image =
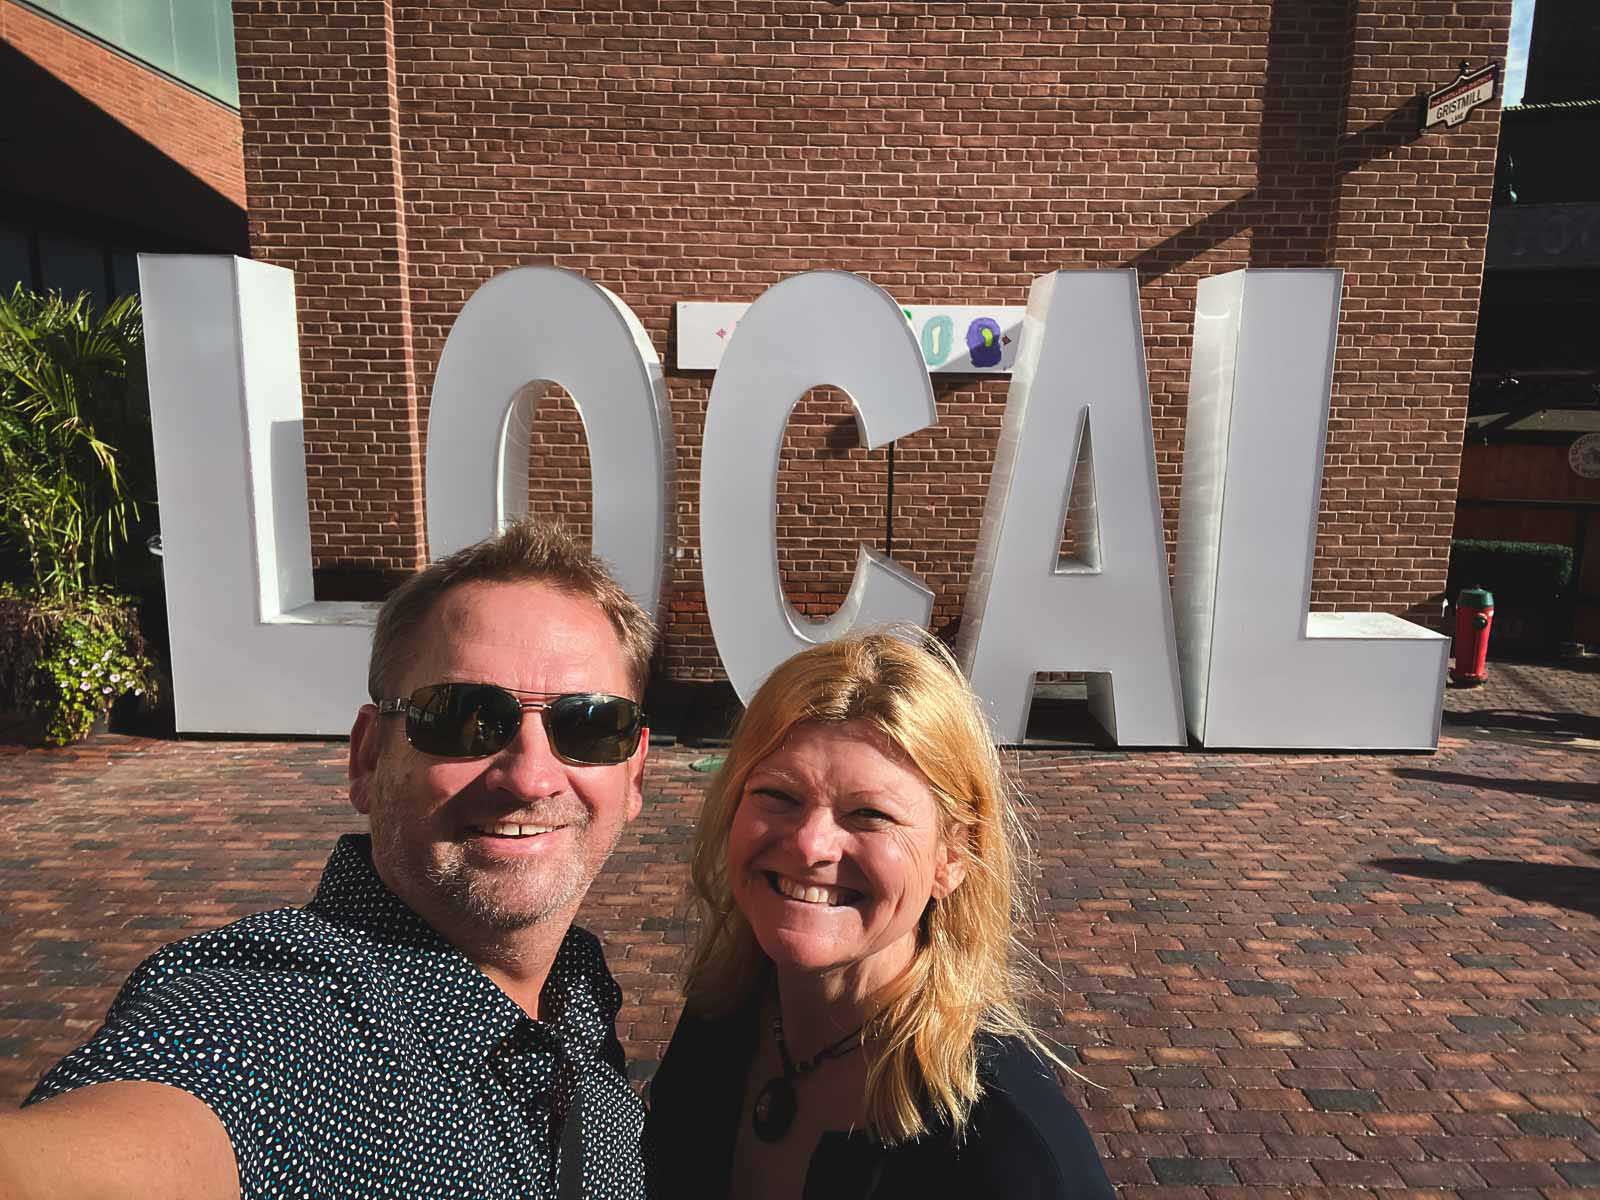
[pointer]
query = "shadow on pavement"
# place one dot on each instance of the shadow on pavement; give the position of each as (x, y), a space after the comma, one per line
(1569, 726)
(1581, 792)
(1576, 889)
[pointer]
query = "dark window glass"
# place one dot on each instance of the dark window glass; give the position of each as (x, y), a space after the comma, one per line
(72, 265)
(124, 272)
(14, 265)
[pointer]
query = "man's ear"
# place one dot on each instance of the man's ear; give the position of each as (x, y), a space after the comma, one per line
(950, 865)
(635, 770)
(365, 735)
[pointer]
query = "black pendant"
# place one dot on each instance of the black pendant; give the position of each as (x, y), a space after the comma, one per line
(774, 1110)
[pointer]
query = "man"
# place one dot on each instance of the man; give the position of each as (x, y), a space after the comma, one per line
(431, 1024)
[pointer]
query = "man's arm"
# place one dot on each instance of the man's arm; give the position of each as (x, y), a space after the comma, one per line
(115, 1140)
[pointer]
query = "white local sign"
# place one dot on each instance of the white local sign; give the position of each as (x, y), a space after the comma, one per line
(1227, 654)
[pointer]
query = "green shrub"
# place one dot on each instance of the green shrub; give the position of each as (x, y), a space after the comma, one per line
(1529, 581)
(65, 662)
(1520, 574)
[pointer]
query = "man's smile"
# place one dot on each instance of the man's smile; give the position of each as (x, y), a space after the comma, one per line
(515, 841)
(510, 829)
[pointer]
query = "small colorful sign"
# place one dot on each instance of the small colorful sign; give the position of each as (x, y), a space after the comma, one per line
(956, 338)
(1452, 104)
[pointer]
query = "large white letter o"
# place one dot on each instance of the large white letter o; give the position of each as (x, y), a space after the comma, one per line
(538, 325)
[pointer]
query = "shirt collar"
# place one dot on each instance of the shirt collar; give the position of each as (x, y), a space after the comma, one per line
(457, 1007)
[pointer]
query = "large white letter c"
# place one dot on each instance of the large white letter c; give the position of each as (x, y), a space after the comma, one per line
(773, 358)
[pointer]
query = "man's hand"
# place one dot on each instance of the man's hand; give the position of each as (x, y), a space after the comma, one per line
(117, 1140)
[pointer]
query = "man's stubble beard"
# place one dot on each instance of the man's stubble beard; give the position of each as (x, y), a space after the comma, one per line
(499, 899)
(494, 901)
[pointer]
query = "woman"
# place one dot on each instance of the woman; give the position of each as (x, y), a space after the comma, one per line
(853, 1024)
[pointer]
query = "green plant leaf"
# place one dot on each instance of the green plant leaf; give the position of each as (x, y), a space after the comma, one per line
(66, 370)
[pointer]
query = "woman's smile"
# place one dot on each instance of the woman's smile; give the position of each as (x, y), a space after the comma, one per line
(811, 893)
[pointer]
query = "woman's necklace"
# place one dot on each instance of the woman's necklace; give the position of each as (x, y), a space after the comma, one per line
(776, 1103)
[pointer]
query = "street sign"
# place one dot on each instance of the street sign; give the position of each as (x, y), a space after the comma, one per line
(1452, 104)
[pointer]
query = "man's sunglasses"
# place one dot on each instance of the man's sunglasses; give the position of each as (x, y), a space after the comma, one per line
(475, 720)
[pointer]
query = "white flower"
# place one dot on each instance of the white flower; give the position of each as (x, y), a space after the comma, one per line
(105, 691)
(72, 662)
(138, 691)
(84, 686)
(116, 677)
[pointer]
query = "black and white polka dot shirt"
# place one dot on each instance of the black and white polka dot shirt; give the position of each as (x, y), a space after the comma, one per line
(350, 1051)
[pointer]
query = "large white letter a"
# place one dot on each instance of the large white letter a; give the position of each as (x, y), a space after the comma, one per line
(1077, 396)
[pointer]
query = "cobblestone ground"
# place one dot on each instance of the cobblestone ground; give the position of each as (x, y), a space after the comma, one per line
(1282, 975)
(1558, 702)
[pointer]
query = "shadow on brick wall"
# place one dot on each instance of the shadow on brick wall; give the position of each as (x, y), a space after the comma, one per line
(67, 154)
(1302, 155)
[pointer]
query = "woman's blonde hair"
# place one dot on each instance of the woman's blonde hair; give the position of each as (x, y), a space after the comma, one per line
(969, 974)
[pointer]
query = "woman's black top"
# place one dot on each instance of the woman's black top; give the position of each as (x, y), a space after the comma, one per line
(1024, 1140)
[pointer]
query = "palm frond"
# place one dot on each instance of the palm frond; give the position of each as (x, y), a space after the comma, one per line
(65, 370)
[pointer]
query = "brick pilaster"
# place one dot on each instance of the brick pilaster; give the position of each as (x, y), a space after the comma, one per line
(323, 167)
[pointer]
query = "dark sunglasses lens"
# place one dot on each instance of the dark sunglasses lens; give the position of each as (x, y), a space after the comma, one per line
(462, 720)
(594, 729)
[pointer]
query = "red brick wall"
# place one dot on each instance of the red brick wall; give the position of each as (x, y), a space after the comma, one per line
(323, 168)
(202, 135)
(950, 153)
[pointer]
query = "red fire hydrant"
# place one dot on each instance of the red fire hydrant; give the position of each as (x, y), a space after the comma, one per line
(1474, 615)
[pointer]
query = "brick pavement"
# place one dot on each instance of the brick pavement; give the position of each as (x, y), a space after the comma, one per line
(1285, 975)
(1550, 701)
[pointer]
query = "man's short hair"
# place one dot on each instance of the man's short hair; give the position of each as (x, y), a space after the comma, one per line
(527, 551)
